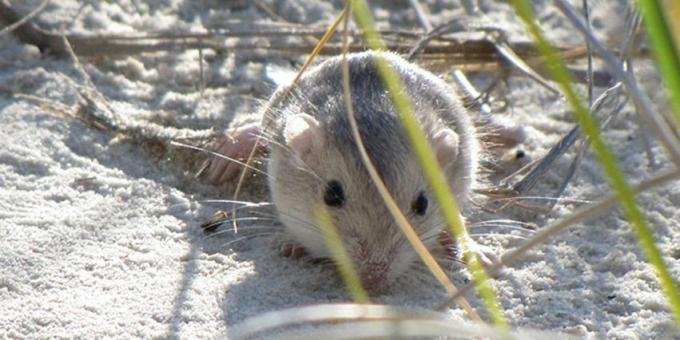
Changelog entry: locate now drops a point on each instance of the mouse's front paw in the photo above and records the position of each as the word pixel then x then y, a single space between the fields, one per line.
pixel 485 255
pixel 236 148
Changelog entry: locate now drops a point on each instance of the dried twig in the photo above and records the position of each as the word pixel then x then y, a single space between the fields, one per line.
pixel 586 15
pixel 12 15
pixel 421 15
pixel 561 147
pixel 633 22
pixel 506 51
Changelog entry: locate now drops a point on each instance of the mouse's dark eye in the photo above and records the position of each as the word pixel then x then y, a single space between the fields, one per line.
pixel 419 206
pixel 334 195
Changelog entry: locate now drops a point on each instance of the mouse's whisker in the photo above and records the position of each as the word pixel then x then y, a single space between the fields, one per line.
pixel 304 223
pixel 226 244
pixel 429 235
pixel 487 235
pixel 527 225
pixel 244 204
pixel 231 232
pixel 220 219
pixel 540 198
pixel 251 219
pixel 244 238
pixel 502 226
pixel 265 214
pixel 499 223
pixel 219 155
pixel 247 228
pixel 449 260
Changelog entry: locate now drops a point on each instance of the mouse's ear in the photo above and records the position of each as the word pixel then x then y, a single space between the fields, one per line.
pixel 302 132
pixel 445 143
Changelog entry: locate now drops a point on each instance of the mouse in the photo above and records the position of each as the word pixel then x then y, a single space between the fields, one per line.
pixel 313 159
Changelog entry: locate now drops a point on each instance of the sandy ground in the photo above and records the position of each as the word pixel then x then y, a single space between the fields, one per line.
pixel 100 237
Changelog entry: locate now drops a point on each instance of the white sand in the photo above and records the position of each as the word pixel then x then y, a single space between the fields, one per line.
pixel 98 238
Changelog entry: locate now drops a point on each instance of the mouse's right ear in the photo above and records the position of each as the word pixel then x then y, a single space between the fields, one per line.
pixel 302 132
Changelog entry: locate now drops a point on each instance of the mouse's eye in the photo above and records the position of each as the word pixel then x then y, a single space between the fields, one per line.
pixel 334 196
pixel 419 205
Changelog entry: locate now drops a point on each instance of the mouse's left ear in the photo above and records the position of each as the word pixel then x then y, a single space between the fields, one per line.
pixel 445 144
pixel 302 132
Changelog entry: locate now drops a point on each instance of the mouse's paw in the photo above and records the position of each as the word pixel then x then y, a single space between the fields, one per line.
pixel 485 255
pixel 235 149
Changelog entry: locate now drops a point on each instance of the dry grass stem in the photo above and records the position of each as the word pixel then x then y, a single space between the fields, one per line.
pixel 391 205
pixel 11 16
pixel 428 162
pixel 267 120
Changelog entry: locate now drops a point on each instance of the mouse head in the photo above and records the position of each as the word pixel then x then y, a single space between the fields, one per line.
pixel 320 165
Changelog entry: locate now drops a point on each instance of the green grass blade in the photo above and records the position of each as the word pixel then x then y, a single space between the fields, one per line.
pixel 428 161
pixel 665 49
pixel 339 254
pixel 605 156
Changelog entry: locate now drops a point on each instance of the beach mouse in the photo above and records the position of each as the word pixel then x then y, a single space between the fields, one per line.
pixel 313 159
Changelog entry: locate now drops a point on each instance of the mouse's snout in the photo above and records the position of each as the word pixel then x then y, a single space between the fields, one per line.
pixel 373 274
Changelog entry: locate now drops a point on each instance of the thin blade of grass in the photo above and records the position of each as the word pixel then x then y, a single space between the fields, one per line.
pixel 586 15
pixel 339 254
pixel 393 208
pixel 665 49
pixel 607 160
pixel 428 162
pixel 506 51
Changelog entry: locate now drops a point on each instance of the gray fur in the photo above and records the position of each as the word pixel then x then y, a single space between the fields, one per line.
pixel 364 223
pixel 319 93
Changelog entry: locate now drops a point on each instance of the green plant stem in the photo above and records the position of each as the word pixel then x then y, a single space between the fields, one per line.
pixel 665 50
pixel 428 161
pixel 339 254
pixel 605 156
